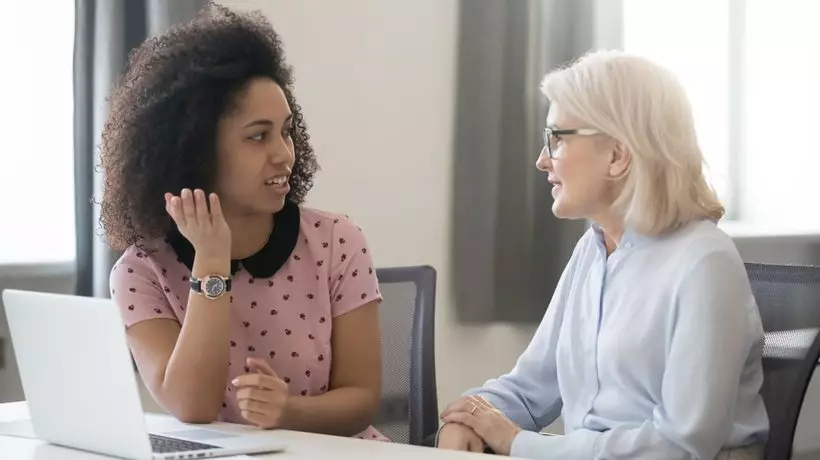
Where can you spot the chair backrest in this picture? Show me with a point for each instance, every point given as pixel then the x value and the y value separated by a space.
pixel 409 409
pixel 788 298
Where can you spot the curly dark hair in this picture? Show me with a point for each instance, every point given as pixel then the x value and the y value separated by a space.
pixel 160 135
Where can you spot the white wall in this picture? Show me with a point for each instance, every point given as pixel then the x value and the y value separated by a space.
pixel 376 81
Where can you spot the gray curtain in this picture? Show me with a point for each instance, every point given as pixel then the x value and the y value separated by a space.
pixel 105 33
pixel 508 248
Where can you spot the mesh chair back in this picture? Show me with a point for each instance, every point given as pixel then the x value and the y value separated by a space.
pixel 409 409
pixel 789 301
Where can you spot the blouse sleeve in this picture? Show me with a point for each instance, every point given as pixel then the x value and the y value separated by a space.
pixel 353 281
pixel 136 290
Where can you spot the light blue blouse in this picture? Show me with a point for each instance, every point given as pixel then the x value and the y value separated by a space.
pixel 654 352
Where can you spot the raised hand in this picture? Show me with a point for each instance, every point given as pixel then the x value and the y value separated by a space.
pixel 205 228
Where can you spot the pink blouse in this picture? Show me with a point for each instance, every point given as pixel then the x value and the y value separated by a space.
pixel 315 267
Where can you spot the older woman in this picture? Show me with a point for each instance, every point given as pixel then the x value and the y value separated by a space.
pixel 651 345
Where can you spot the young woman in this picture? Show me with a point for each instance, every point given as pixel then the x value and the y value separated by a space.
pixel 651 346
pixel 240 304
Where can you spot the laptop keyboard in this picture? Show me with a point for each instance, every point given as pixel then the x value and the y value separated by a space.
pixel 164 445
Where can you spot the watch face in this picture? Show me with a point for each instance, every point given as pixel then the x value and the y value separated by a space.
pixel 213 286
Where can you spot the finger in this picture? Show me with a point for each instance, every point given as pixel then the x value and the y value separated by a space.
pixel 480 401
pixel 252 406
pixel 174 208
pixel 475 445
pixel 460 405
pixel 261 381
pixel 254 417
pixel 255 394
pixel 481 405
pixel 216 208
pixel 463 418
pixel 202 215
pixel 262 366
pixel 188 207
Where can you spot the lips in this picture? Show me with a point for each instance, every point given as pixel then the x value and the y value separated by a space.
pixel 556 186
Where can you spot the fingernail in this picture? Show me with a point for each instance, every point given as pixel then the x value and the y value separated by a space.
pixel 235 382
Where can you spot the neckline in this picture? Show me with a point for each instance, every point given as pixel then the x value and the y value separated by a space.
pixel 266 261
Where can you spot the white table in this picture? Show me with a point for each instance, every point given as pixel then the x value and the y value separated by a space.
pixel 14 417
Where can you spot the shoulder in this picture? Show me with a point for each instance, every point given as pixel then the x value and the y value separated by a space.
pixel 333 225
pixel 701 242
pixel 147 260
pixel 318 218
pixel 706 264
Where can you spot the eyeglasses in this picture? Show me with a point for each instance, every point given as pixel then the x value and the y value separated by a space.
pixel 552 136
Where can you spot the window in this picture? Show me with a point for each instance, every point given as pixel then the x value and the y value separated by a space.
pixel 37 169
pixel 750 68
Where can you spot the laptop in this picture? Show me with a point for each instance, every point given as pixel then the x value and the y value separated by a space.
pixel 81 387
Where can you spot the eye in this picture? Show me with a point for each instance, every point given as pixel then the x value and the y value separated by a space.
pixel 555 141
pixel 288 131
pixel 260 137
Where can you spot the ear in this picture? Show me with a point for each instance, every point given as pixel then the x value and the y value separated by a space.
pixel 620 161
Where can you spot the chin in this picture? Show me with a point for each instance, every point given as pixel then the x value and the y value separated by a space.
pixel 269 207
pixel 558 210
pixel 276 206
pixel 562 211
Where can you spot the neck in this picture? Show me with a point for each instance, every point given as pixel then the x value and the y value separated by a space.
pixel 249 233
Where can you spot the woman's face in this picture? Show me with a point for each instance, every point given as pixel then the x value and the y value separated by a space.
pixel 581 168
pixel 255 152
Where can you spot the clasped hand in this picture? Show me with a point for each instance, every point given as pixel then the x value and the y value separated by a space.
pixel 262 397
pixel 482 418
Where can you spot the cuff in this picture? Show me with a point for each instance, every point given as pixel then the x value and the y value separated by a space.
pixel 529 444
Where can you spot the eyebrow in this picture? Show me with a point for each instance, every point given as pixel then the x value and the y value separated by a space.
pixel 266 122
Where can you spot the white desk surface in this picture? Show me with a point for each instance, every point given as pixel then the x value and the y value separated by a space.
pixel 14 418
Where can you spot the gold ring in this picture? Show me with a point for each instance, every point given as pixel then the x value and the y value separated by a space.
pixel 472 411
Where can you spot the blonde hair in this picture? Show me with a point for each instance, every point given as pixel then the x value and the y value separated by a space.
pixel 643 106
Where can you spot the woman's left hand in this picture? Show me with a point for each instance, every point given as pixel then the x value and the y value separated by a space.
pixel 497 431
pixel 262 396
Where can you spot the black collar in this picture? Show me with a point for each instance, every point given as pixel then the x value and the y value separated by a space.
pixel 265 262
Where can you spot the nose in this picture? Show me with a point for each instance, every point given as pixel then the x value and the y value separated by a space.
pixel 281 151
pixel 544 163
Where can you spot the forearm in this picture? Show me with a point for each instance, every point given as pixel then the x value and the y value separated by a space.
pixel 193 385
pixel 530 402
pixel 342 411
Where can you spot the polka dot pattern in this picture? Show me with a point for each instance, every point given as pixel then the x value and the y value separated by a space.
pixel 285 319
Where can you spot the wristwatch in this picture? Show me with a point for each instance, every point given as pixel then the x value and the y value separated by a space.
pixel 211 286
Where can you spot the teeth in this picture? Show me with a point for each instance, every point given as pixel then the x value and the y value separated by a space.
pixel 281 180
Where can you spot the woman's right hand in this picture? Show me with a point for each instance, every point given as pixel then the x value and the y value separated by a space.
pixel 455 436
pixel 206 230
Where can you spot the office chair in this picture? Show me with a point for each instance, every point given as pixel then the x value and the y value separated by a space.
pixel 789 301
pixel 408 412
